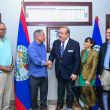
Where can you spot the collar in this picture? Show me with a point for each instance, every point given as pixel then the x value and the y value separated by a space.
pixel 66 41
pixel 37 43
pixel 108 43
pixel 87 51
pixel 4 38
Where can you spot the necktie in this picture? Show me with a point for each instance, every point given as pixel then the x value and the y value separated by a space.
pixel 62 49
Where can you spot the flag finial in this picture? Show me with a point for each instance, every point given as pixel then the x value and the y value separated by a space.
pixel 96 17
pixel 23 3
pixel 22 6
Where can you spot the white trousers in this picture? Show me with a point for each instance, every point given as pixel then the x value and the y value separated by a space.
pixel 5 90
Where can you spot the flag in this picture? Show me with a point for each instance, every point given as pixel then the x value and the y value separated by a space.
pixel 21 77
pixel 97 37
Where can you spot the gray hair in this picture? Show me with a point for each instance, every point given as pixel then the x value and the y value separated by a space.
pixel 37 32
pixel 68 30
pixel 1 23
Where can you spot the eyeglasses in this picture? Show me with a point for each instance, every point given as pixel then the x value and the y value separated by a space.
pixel 3 29
pixel 107 32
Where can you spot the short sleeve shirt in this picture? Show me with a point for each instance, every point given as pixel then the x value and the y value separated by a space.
pixel 5 52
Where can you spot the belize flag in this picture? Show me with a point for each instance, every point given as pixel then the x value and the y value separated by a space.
pixel 21 79
pixel 97 37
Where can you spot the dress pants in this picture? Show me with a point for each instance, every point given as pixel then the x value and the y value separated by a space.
pixel 5 90
pixel 109 100
pixel 105 100
pixel 105 81
pixel 61 91
pixel 41 82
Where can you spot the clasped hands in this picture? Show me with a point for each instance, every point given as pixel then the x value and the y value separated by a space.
pixel 48 64
pixel 7 69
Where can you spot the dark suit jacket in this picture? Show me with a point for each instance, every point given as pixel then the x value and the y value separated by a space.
pixel 102 54
pixel 70 61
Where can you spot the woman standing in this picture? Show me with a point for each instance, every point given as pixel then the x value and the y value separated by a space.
pixel 87 73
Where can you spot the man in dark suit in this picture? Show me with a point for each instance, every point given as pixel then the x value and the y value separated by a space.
pixel 103 69
pixel 66 53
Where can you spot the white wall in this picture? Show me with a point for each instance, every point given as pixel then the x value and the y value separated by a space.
pixel 10 10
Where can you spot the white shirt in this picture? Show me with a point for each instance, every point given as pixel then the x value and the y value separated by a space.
pixel 66 41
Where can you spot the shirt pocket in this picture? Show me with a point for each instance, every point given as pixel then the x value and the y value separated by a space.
pixel 8 51
pixel 70 54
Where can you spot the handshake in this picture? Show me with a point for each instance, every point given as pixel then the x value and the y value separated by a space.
pixel 48 64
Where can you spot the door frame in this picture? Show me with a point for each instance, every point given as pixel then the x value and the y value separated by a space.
pixel 107 22
pixel 0 17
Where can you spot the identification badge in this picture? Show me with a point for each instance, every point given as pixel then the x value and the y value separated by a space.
pixel 70 50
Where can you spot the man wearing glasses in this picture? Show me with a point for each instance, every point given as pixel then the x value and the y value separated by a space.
pixel 6 67
pixel 104 69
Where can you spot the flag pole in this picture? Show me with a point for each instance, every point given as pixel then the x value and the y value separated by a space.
pixel 97 19
pixel 23 5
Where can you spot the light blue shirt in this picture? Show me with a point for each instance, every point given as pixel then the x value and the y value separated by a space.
pixel 5 52
pixel 107 57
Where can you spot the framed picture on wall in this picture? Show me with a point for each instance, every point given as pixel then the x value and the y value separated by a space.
pixel 52 35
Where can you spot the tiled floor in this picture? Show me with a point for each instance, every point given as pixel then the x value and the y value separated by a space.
pixel 51 106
